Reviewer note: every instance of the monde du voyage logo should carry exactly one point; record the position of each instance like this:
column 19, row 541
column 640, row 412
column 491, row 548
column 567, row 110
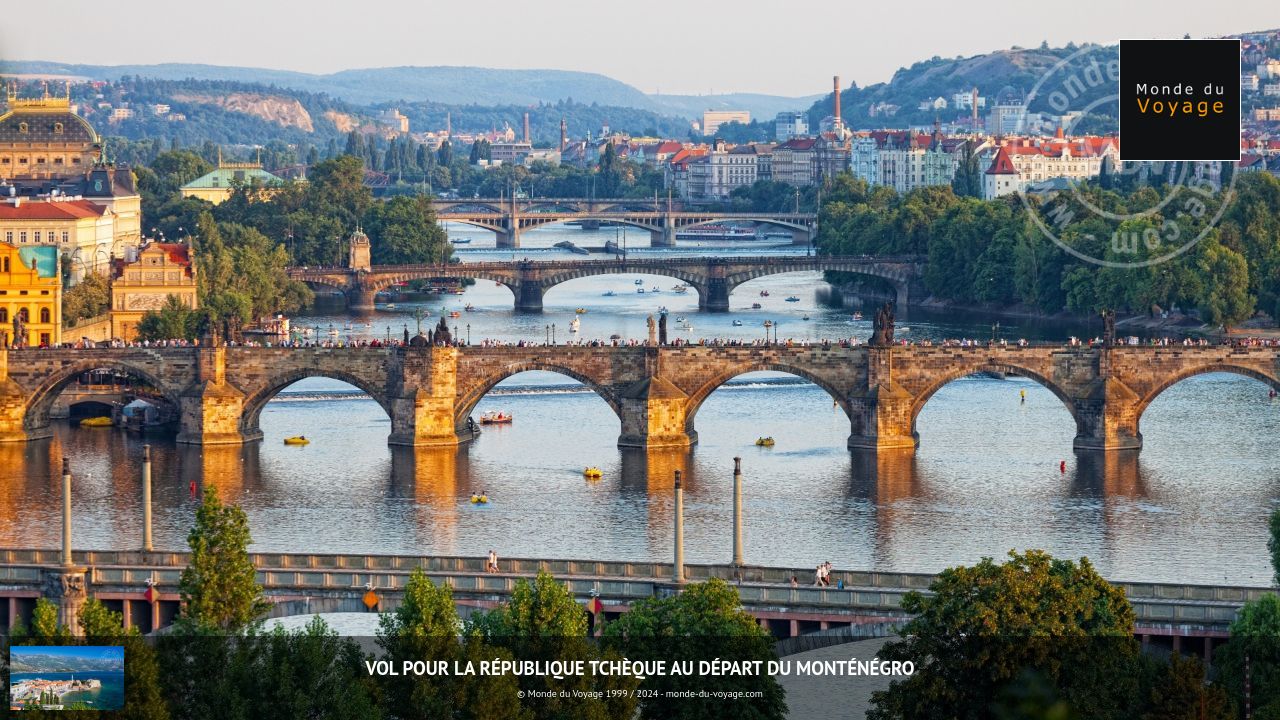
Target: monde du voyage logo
column 1180, row 100
column 1179, row 112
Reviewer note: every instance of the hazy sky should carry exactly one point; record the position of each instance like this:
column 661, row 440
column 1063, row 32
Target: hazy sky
column 681, row 46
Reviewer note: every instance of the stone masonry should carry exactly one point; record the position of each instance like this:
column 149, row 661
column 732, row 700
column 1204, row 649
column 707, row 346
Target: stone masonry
column 429, row 393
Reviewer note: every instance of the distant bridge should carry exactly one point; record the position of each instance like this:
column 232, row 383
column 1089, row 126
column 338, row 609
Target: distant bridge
column 507, row 218
column 713, row 278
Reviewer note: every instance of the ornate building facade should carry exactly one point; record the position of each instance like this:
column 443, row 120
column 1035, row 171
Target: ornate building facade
column 146, row 282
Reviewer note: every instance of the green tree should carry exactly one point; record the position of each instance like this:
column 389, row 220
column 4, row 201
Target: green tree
column 143, row 695
column 1254, row 644
column 704, row 621
column 967, row 181
column 987, row 625
column 1225, row 299
column 87, row 299
column 1181, row 693
column 1273, row 543
column 542, row 621
column 426, row 627
column 173, row 321
column 219, row 586
column 404, row 230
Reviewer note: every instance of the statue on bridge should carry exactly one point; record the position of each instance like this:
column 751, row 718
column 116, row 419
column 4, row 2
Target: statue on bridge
column 442, row 335
column 20, row 329
column 653, row 331
column 882, row 326
column 1108, row 328
column 662, row 329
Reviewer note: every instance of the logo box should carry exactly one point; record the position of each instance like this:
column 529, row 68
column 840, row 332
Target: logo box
column 1180, row 100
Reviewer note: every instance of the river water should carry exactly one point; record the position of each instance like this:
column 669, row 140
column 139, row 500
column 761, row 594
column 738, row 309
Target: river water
column 1191, row 507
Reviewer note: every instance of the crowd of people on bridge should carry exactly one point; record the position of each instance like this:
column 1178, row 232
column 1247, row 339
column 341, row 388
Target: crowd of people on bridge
column 682, row 342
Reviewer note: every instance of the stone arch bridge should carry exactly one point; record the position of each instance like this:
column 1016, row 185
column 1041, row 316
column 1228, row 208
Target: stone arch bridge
column 429, row 392
column 713, row 278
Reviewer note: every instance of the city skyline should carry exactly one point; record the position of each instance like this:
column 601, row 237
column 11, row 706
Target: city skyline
column 878, row 42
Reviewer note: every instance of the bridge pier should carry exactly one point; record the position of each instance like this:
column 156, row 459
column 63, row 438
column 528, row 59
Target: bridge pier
column 802, row 237
column 1107, row 417
column 714, row 296
column 210, row 411
column 509, row 237
column 529, row 297
column 882, row 419
column 664, row 237
column 423, row 412
column 359, row 298
column 13, row 404
column 653, row 416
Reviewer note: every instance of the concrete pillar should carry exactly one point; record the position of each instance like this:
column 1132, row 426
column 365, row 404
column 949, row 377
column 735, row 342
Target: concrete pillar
column 666, row 236
column 509, row 236
column 801, row 237
column 127, row 613
column 1107, row 417
column 795, row 628
column 422, row 409
column 738, row 554
column 211, row 409
column 146, row 499
column 653, row 415
column 677, row 567
column 529, row 297
column 65, row 587
column 66, row 512
column 13, row 404
column 359, row 298
column 714, row 297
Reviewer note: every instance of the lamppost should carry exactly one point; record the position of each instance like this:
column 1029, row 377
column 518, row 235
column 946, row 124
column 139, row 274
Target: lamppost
column 468, row 333
column 547, row 333
column 553, row 333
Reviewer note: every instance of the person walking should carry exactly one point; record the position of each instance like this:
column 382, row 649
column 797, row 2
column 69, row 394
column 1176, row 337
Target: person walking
column 492, row 566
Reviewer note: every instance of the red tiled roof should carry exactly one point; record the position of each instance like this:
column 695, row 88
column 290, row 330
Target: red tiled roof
column 1001, row 164
column 49, row 210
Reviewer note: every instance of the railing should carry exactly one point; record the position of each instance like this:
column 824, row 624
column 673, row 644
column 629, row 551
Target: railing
column 759, row 584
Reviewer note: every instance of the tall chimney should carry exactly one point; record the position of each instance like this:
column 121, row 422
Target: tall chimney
column 526, row 127
column 835, row 83
column 564, row 135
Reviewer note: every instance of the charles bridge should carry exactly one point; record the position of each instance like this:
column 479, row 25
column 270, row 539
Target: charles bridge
column 714, row 278
column 508, row 217
column 430, row 392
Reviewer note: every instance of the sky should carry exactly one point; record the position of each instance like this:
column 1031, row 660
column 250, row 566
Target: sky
column 669, row 46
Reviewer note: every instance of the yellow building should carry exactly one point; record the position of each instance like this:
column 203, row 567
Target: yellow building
column 30, row 296
column 145, row 283
column 81, row 229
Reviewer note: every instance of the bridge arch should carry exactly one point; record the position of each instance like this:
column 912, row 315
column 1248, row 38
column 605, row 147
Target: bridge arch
column 1205, row 369
column 922, row 397
column 472, row 396
column 41, row 400
column 256, row 400
column 699, row 396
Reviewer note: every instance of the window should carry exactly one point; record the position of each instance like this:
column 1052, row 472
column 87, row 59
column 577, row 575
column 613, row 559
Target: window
column 66, row 237
column 4, row 314
column 4, row 266
column 22, row 236
column 44, row 339
column 45, row 316
column 37, row 238
column 57, row 128
column 22, row 127
column 8, row 236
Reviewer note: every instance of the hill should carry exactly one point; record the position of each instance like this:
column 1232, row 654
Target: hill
column 436, row 85
column 1018, row 69
column 448, row 85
